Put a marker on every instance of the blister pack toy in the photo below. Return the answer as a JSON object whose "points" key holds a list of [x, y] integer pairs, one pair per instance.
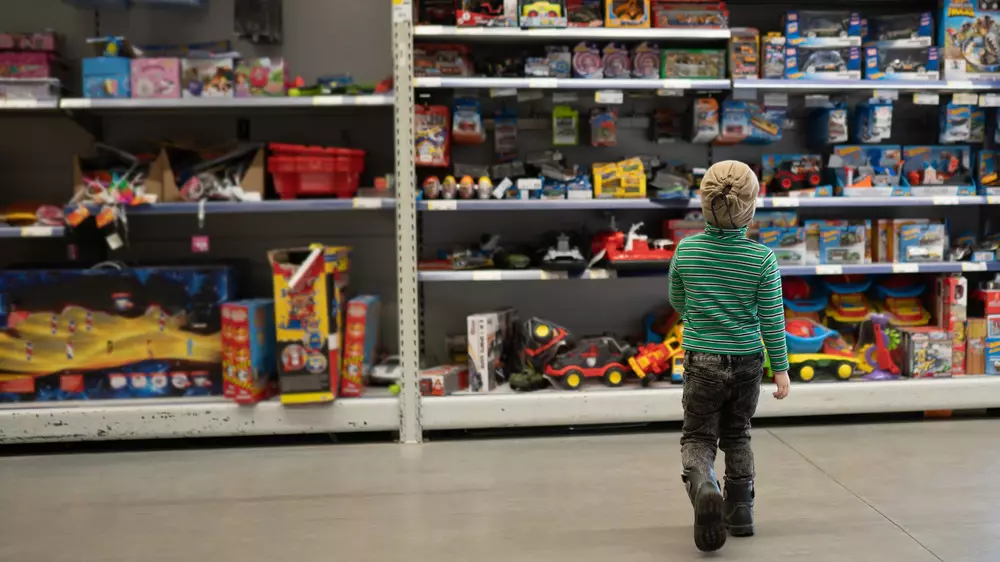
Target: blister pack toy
{"points": [[557, 63], [603, 127], [565, 126], [543, 13], [794, 174], [744, 52], [956, 123], [822, 63], [788, 244], [616, 61], [627, 13], [970, 38], [829, 29], [587, 62], [842, 245], [873, 121], [901, 30], [646, 61], [693, 63], [706, 120], [922, 243], [988, 172], [467, 124], [773, 53], [747, 121], [827, 125], [433, 135], [901, 63]]}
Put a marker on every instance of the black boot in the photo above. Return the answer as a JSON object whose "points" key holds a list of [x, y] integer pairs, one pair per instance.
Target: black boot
{"points": [[709, 530], [739, 508]]}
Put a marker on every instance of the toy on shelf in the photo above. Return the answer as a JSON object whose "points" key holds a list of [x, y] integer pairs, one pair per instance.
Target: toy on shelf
{"points": [[711, 15], [803, 300], [901, 301], [433, 136], [487, 13], [814, 348], [315, 171], [744, 53], [787, 173], [543, 13], [584, 13], [968, 33], [563, 256], [627, 13], [662, 354], [876, 344], [938, 170], [602, 357], [625, 179], [156, 78], [848, 305], [632, 251]]}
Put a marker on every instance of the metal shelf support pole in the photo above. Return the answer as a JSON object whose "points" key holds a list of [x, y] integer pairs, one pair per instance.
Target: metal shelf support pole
{"points": [[406, 223]]}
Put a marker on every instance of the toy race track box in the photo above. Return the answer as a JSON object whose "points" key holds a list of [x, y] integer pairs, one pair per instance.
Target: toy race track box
{"points": [[795, 175], [744, 53], [920, 243], [901, 30], [146, 332], [827, 29], [248, 351], [543, 13], [628, 13], [988, 171], [309, 285], [360, 339], [901, 63], [486, 13], [970, 39], [822, 63], [490, 340], [843, 245], [937, 170], [866, 171], [788, 244], [927, 352], [951, 293]]}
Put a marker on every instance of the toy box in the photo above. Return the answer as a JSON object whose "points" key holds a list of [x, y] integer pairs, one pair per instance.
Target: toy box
{"points": [[543, 13], [773, 53], [822, 63], [938, 170], [28, 65], [360, 339], [992, 358], [788, 244], [744, 53], [922, 243], [309, 285], [748, 121], [814, 227], [843, 245], [156, 78], [706, 120], [952, 298], [927, 352], [557, 63], [901, 30], [490, 337], [988, 172], [93, 334], [967, 34], [692, 63], [646, 62], [264, 77], [42, 41], [955, 124], [867, 171], [615, 61], [444, 380], [975, 355], [627, 13], [585, 13], [710, 15], [489, 13], [248, 351], [799, 175], [433, 135], [873, 121], [828, 29], [107, 77], [827, 126], [620, 180], [901, 63], [207, 77]]}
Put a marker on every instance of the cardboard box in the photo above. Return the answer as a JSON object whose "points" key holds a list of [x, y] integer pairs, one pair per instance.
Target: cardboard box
{"points": [[961, 29], [156, 78], [975, 355], [248, 351], [207, 77], [922, 243], [360, 339], [260, 77], [928, 352], [993, 356], [788, 244], [443, 380], [843, 245], [309, 285], [951, 295], [490, 340]]}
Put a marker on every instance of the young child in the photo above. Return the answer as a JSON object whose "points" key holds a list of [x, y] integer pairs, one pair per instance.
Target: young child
{"points": [[728, 291]]}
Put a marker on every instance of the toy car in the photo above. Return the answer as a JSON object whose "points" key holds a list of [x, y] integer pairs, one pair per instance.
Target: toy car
{"points": [[602, 357], [387, 372], [826, 28], [825, 61], [787, 257], [792, 175], [541, 9], [904, 65], [789, 239], [842, 255]]}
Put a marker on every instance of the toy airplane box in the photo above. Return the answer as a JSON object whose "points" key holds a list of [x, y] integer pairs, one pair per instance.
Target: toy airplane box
{"points": [[794, 175], [922, 243], [309, 285], [937, 171], [866, 171], [901, 63], [829, 29], [900, 30], [822, 63], [989, 172], [360, 339], [788, 244], [147, 332], [248, 351], [967, 34], [843, 245]]}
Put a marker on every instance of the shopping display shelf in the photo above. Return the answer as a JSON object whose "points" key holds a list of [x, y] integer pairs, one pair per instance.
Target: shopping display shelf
{"points": [[226, 103], [279, 206], [29, 105], [886, 268], [426, 276], [572, 83], [32, 232], [776, 84], [508, 34], [597, 405], [174, 418], [762, 203]]}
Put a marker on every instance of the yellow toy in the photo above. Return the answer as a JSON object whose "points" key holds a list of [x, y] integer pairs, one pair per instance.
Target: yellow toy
{"points": [[620, 180], [627, 13]]}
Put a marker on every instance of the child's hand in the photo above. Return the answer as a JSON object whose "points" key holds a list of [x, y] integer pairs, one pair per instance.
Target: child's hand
{"points": [[781, 379]]}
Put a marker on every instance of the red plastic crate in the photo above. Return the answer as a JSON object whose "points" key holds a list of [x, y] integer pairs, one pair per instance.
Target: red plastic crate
{"points": [[313, 171]]}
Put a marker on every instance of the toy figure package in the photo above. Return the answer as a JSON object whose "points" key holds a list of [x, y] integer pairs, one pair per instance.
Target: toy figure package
{"points": [[627, 13], [467, 127], [565, 126], [773, 46], [487, 13], [545, 13], [505, 136], [603, 127], [646, 61], [901, 63], [433, 137]]}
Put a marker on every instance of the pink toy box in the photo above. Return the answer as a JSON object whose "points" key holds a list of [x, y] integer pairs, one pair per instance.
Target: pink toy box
{"points": [[156, 78], [44, 41], [26, 65], [260, 77]]}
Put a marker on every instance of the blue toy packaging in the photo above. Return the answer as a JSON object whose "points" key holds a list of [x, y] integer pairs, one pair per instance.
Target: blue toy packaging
{"points": [[922, 243], [901, 30], [827, 126], [843, 245], [873, 121], [249, 362], [111, 333], [107, 77], [788, 244], [822, 63], [830, 29], [748, 121], [896, 63], [993, 356], [938, 170], [956, 123], [988, 172], [866, 171], [977, 127], [968, 35]]}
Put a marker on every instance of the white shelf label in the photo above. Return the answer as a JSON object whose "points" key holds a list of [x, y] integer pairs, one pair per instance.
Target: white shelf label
{"points": [[989, 100], [926, 98], [470, 30], [428, 82], [19, 104], [487, 275], [905, 268], [965, 98], [610, 97], [669, 92], [402, 11], [74, 103], [784, 202], [37, 232], [886, 94], [746, 94], [946, 200], [546, 83], [445, 205], [776, 99], [367, 203], [553, 275], [328, 100], [597, 274], [818, 100], [974, 266], [829, 270], [503, 92], [993, 199], [676, 84]]}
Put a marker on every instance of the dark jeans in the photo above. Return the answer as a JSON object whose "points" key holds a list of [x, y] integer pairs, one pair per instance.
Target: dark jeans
{"points": [[720, 397]]}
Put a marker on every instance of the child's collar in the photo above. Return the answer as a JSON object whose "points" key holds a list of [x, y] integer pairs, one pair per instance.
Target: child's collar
{"points": [[726, 233]]}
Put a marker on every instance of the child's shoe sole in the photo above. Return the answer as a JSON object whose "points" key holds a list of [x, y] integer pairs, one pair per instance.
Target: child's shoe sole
{"points": [[744, 531], [709, 529]]}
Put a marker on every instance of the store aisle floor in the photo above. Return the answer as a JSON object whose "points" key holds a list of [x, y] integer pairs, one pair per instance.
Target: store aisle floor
{"points": [[909, 492]]}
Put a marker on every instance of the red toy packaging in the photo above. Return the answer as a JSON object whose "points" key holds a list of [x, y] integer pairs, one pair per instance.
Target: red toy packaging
{"points": [[433, 136], [313, 171], [951, 295], [309, 285], [360, 338], [248, 357], [443, 380], [487, 13]]}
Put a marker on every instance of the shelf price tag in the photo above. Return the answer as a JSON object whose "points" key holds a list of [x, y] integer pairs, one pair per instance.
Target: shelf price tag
{"points": [[892, 95], [553, 275], [784, 202], [945, 200], [487, 275], [503, 92], [905, 268], [973, 266], [597, 274], [926, 98], [776, 99], [545, 83], [669, 92], [610, 97], [402, 11], [817, 100], [367, 203], [993, 200], [745, 94], [37, 232], [964, 98], [428, 82], [829, 270], [445, 205], [989, 100], [19, 104]]}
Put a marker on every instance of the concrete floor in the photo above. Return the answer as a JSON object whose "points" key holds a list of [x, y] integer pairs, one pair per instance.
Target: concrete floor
{"points": [[910, 492]]}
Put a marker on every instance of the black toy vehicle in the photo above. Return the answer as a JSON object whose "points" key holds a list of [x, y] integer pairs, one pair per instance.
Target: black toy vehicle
{"points": [[602, 357], [904, 65], [822, 27], [825, 61]]}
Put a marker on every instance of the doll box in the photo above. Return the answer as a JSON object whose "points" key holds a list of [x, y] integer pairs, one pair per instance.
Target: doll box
{"points": [[156, 78]]}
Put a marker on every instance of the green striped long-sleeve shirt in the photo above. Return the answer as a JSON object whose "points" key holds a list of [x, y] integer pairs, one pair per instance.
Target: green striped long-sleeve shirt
{"points": [[728, 291]]}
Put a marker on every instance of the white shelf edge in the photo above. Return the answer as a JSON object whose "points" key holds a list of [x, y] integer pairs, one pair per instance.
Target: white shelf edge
{"points": [[227, 103], [569, 33], [572, 83]]}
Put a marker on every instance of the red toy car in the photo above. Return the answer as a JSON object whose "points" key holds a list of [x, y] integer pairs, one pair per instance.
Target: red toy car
{"points": [[792, 176], [633, 251], [602, 357]]}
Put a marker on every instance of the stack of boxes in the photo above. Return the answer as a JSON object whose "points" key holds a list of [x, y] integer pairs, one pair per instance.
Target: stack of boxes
{"points": [[33, 60]]}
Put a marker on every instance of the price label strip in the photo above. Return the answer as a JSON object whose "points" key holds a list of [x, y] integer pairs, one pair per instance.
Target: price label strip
{"points": [[926, 98], [905, 268], [610, 97], [487, 276], [446, 205], [974, 266], [829, 270]]}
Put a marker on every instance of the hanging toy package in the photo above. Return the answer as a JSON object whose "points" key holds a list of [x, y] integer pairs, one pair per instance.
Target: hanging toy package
{"points": [[603, 127], [616, 62], [467, 126], [505, 135], [565, 126], [587, 62], [646, 61], [433, 138]]}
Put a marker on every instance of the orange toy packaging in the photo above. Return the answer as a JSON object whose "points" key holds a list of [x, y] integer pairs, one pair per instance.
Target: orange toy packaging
{"points": [[360, 340], [248, 357], [309, 285], [951, 295]]}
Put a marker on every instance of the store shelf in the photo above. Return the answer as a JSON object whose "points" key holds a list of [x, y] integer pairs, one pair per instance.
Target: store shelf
{"points": [[225, 103], [634, 405], [32, 232], [773, 84], [29, 105], [511, 275], [572, 83], [509, 34], [289, 206], [183, 418], [884, 268], [763, 203]]}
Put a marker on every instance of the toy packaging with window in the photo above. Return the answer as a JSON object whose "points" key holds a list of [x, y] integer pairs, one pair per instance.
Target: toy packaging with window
{"points": [[210, 77], [914, 29], [616, 61], [827, 29], [751, 122], [603, 127], [433, 136], [843, 245], [938, 170], [709, 15], [158, 78], [587, 61], [796, 175], [565, 126], [975, 354], [927, 351], [969, 37], [873, 121], [621, 180], [822, 63], [627, 13], [543, 13], [557, 63], [773, 54], [693, 63], [360, 339], [47, 41], [309, 285], [467, 124], [992, 353], [788, 244], [248, 351], [97, 334], [955, 124], [706, 120], [490, 340], [922, 243], [952, 298], [441, 60], [901, 63], [646, 61], [260, 77], [988, 172], [584, 13], [444, 380], [487, 13], [828, 126], [744, 53]]}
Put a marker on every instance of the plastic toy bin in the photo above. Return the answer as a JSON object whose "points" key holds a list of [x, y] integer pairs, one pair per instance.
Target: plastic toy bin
{"points": [[313, 171]]}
